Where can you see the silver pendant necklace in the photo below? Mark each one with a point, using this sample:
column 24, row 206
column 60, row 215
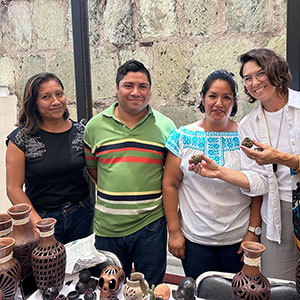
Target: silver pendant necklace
column 274, row 165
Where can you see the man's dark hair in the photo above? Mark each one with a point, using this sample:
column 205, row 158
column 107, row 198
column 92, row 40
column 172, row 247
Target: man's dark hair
column 131, row 66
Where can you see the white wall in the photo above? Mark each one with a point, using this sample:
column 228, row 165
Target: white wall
column 8, row 113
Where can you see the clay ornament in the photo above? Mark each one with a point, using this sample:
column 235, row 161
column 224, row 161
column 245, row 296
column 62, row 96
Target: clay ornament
column 162, row 291
column 186, row 289
column 247, row 142
column 196, row 159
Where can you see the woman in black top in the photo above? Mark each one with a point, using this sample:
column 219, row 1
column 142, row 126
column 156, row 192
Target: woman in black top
column 46, row 154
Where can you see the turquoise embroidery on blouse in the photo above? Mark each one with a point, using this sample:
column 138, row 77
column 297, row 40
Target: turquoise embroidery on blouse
column 212, row 143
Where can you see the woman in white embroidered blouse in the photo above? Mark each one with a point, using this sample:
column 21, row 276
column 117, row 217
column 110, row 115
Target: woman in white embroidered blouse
column 274, row 127
column 213, row 216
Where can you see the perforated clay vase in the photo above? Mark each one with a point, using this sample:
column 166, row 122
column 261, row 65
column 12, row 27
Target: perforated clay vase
column 136, row 287
column 298, row 278
column 5, row 225
column 10, row 269
column 48, row 258
column 24, row 234
column 249, row 283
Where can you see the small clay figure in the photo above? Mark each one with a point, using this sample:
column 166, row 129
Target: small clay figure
column 50, row 293
column 162, row 291
column 186, row 289
column 247, row 142
column 196, row 159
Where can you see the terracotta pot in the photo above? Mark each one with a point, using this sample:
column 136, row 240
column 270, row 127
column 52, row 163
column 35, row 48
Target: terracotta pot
column 26, row 237
column 136, row 287
column 5, row 225
column 10, row 269
column 48, row 258
column 249, row 283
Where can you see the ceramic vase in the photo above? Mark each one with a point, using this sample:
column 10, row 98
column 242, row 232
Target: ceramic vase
column 48, row 258
column 298, row 278
column 24, row 234
column 136, row 287
column 10, row 269
column 249, row 283
column 5, row 225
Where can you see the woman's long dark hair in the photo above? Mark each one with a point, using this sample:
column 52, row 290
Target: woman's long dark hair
column 29, row 116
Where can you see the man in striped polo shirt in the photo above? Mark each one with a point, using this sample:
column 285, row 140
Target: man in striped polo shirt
column 124, row 148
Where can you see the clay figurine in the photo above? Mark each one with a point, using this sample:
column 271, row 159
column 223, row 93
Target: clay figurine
column 162, row 291
column 247, row 142
column 110, row 281
column 196, row 159
column 186, row 289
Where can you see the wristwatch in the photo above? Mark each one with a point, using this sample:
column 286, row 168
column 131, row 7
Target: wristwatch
column 255, row 230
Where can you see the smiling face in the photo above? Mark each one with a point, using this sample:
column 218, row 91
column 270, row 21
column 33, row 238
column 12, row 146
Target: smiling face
column 262, row 89
column 51, row 101
column 218, row 101
column 133, row 94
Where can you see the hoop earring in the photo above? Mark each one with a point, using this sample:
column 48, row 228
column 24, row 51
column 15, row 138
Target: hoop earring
column 201, row 107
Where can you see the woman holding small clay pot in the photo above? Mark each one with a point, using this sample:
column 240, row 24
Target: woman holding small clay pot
column 273, row 126
column 213, row 216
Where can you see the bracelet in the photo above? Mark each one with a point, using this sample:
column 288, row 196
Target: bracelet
column 298, row 169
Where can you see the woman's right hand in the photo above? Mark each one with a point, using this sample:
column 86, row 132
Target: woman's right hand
column 176, row 244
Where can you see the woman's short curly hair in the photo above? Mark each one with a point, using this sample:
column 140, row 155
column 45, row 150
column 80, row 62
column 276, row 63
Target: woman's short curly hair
column 275, row 66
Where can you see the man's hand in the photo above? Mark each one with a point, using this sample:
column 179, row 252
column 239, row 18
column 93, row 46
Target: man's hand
column 176, row 244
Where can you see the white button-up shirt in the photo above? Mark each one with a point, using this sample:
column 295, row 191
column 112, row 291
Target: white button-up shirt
column 262, row 178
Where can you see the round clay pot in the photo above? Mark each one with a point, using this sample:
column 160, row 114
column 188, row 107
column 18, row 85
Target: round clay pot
column 74, row 295
column 5, row 225
column 249, row 283
column 49, row 255
column 136, row 287
column 10, row 269
column 80, row 287
column 24, row 234
column 84, row 275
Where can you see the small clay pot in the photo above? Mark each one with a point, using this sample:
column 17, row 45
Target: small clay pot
column 61, row 297
column 50, row 293
column 85, row 275
column 196, row 159
column 89, row 295
column 91, row 284
column 247, row 142
column 81, row 287
column 74, row 295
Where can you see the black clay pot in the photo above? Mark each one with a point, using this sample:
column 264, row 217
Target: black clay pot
column 50, row 293
column 61, row 297
column 85, row 275
column 89, row 295
column 81, row 287
column 74, row 295
column 91, row 284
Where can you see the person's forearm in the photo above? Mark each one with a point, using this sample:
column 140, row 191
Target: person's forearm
column 255, row 216
column 17, row 196
column 234, row 177
column 170, row 201
column 289, row 160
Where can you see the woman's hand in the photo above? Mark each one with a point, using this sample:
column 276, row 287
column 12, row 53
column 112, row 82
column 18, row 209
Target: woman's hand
column 176, row 244
column 207, row 168
column 268, row 155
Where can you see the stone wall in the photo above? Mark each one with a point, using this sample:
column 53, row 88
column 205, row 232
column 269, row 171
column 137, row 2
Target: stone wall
column 180, row 41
